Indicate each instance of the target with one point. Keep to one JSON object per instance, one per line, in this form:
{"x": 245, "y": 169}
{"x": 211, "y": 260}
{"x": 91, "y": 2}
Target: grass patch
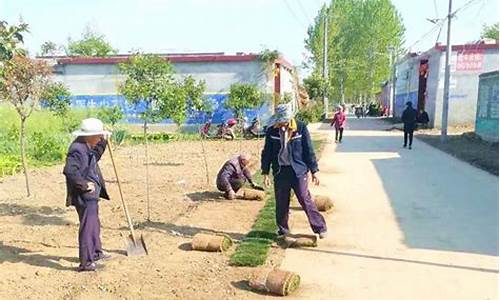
{"x": 254, "y": 248}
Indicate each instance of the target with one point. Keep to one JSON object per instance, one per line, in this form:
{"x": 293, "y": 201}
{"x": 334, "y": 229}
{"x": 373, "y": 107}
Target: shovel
{"x": 135, "y": 247}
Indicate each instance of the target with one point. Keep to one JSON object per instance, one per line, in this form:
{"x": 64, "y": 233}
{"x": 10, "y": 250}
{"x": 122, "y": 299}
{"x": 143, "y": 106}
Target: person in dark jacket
{"x": 85, "y": 185}
{"x": 423, "y": 118}
{"x": 233, "y": 175}
{"x": 409, "y": 118}
{"x": 288, "y": 150}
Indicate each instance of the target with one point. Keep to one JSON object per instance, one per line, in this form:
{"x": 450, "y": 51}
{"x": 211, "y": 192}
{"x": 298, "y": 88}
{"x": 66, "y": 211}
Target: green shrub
{"x": 311, "y": 113}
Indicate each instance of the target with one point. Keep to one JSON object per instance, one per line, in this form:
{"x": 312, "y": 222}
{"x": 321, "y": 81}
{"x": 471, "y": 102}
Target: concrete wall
{"x": 463, "y": 85}
{"x": 406, "y": 85}
{"x": 95, "y": 85}
{"x": 487, "y": 107}
{"x": 463, "y": 89}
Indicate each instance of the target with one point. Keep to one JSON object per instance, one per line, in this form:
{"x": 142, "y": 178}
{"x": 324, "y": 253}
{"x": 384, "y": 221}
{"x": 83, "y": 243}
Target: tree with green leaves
{"x": 49, "y": 48}
{"x": 57, "y": 99}
{"x": 360, "y": 34}
{"x": 490, "y": 32}
{"x": 90, "y": 44}
{"x": 25, "y": 82}
{"x": 11, "y": 40}
{"x": 243, "y": 96}
{"x": 150, "y": 82}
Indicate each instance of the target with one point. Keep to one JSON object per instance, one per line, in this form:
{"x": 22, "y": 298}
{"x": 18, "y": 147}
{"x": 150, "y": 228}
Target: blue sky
{"x": 220, "y": 25}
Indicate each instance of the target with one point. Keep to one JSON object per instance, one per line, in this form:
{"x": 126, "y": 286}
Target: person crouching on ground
{"x": 233, "y": 175}
{"x": 85, "y": 185}
{"x": 289, "y": 151}
{"x": 339, "y": 120}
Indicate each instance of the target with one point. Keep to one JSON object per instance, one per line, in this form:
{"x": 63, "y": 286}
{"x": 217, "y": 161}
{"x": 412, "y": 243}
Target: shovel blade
{"x": 137, "y": 247}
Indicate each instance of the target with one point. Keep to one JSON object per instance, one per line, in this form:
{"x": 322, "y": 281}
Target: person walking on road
{"x": 409, "y": 118}
{"x": 289, "y": 151}
{"x": 85, "y": 185}
{"x": 338, "y": 121}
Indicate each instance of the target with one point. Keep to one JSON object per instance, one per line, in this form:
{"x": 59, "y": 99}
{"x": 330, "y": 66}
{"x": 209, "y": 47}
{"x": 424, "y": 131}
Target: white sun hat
{"x": 91, "y": 126}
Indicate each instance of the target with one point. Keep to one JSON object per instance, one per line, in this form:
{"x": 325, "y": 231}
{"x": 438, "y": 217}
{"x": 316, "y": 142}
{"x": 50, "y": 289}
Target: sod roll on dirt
{"x": 251, "y": 194}
{"x": 301, "y": 241}
{"x": 211, "y": 242}
{"x": 275, "y": 281}
{"x": 323, "y": 203}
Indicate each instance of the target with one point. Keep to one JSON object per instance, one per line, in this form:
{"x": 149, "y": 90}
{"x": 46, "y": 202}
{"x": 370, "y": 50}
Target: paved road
{"x": 408, "y": 224}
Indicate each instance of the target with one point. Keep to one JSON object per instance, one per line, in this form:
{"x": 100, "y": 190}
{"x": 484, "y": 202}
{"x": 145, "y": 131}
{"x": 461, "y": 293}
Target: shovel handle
{"x": 125, "y": 208}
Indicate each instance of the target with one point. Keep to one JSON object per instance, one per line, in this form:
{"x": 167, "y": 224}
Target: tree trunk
{"x": 205, "y": 159}
{"x": 147, "y": 170}
{"x": 23, "y": 154}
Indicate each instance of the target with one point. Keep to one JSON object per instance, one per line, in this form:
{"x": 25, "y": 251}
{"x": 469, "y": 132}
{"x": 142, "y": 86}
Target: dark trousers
{"x": 236, "y": 184}
{"x": 338, "y": 134}
{"x": 89, "y": 240}
{"x": 284, "y": 182}
{"x": 408, "y": 134}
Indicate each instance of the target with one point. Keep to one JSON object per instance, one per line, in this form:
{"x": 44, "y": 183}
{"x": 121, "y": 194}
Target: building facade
{"x": 420, "y": 79}
{"x": 487, "y": 107}
{"x": 93, "y": 81}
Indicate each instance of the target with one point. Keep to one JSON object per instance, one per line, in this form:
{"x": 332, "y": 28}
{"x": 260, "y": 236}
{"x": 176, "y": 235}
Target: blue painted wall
{"x": 400, "y": 102}
{"x": 132, "y": 112}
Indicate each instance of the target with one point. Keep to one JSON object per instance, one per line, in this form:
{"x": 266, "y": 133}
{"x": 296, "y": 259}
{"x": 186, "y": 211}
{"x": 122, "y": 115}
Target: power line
{"x": 293, "y": 14}
{"x": 436, "y": 9}
{"x": 304, "y": 12}
{"x": 440, "y": 23}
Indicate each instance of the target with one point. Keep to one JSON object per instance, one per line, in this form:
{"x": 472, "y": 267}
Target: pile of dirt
{"x": 38, "y": 235}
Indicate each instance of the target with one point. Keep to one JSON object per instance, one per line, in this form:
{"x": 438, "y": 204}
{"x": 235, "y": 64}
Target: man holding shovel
{"x": 288, "y": 149}
{"x": 85, "y": 186}
{"x": 233, "y": 175}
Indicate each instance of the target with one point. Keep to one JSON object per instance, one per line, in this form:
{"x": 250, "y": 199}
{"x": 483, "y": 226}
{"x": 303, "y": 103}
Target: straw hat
{"x": 90, "y": 127}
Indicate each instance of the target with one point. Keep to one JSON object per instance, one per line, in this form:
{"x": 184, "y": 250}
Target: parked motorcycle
{"x": 254, "y": 130}
{"x": 223, "y": 131}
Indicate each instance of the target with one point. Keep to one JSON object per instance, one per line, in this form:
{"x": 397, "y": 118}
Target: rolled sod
{"x": 302, "y": 240}
{"x": 251, "y": 194}
{"x": 323, "y": 203}
{"x": 211, "y": 242}
{"x": 276, "y": 281}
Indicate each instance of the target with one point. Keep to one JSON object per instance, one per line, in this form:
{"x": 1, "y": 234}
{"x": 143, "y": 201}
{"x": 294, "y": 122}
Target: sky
{"x": 222, "y": 25}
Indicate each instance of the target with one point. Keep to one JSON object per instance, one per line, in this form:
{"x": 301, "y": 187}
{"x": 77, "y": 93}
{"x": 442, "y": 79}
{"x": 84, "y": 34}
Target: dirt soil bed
{"x": 465, "y": 146}
{"x": 38, "y": 235}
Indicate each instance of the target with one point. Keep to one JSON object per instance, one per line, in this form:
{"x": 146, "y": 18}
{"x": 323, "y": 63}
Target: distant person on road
{"x": 409, "y": 118}
{"x": 423, "y": 118}
{"x": 85, "y": 185}
{"x": 339, "y": 120}
{"x": 233, "y": 175}
{"x": 289, "y": 151}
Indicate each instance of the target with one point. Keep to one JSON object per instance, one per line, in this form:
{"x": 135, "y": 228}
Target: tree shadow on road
{"x": 440, "y": 203}
{"x": 400, "y": 260}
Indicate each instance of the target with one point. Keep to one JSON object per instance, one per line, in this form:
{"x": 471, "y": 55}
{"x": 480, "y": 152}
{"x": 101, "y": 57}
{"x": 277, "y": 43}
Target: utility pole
{"x": 446, "y": 92}
{"x": 325, "y": 65}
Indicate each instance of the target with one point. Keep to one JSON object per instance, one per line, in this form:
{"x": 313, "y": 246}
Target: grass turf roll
{"x": 323, "y": 203}
{"x": 211, "y": 242}
{"x": 251, "y": 194}
{"x": 276, "y": 281}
